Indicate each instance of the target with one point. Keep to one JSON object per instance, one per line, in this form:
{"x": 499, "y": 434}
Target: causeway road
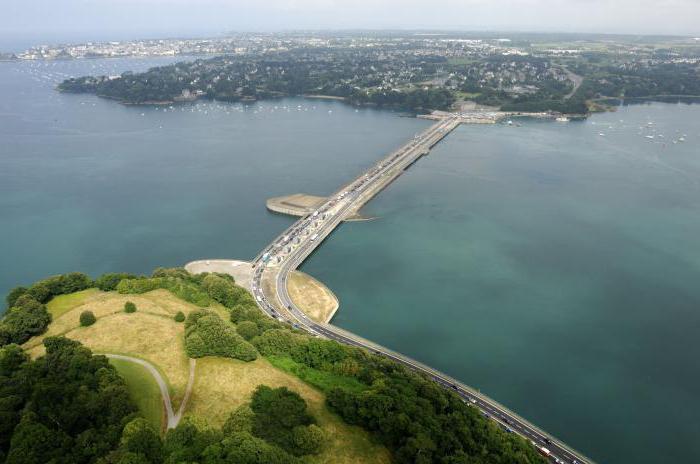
{"x": 271, "y": 269}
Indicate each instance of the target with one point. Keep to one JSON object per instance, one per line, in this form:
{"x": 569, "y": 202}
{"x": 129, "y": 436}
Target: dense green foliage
{"x": 67, "y": 407}
{"x": 87, "y": 318}
{"x": 280, "y": 417}
{"x": 25, "y": 319}
{"x": 108, "y": 282}
{"x": 129, "y": 307}
{"x": 324, "y": 380}
{"x": 417, "y": 419}
{"x": 206, "y": 334}
{"x": 277, "y": 74}
{"x": 247, "y": 329}
{"x": 182, "y": 288}
{"x": 43, "y": 290}
{"x": 26, "y": 315}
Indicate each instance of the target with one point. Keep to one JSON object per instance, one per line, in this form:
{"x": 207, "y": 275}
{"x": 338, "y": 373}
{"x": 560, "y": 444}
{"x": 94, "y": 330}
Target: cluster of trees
{"x": 193, "y": 442}
{"x": 25, "y": 318}
{"x": 223, "y": 289}
{"x": 280, "y": 416}
{"x": 414, "y": 417}
{"x": 27, "y": 315}
{"x": 43, "y": 290}
{"x": 67, "y": 407}
{"x": 184, "y": 288}
{"x": 75, "y": 405}
{"x": 418, "y": 99}
{"x": 635, "y": 81}
{"x": 274, "y": 428}
{"x": 574, "y": 105}
{"x": 70, "y": 407}
{"x": 350, "y": 73}
{"x": 206, "y": 334}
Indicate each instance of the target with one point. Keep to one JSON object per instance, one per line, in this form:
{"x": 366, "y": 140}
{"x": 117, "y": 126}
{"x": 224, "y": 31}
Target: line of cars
{"x": 294, "y": 238}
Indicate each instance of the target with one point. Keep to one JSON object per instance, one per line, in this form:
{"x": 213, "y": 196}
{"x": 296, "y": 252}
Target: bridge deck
{"x": 274, "y": 264}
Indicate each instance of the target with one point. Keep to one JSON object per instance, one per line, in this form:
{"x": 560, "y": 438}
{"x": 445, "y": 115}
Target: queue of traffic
{"x": 290, "y": 249}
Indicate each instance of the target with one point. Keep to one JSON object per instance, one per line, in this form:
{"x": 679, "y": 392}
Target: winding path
{"x": 173, "y": 418}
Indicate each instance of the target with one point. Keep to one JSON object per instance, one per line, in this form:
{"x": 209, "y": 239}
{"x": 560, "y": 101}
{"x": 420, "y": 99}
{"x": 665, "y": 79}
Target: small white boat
{"x": 562, "y": 119}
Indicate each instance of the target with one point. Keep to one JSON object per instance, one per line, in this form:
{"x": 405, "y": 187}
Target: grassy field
{"x": 221, "y": 385}
{"x": 150, "y": 333}
{"x": 64, "y": 303}
{"x": 312, "y": 297}
{"x": 324, "y": 381}
{"x": 144, "y": 391}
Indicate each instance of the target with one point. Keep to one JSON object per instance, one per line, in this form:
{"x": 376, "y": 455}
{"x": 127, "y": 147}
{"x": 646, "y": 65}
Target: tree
{"x": 277, "y": 413}
{"x": 87, "y": 318}
{"x": 180, "y": 317}
{"x": 73, "y": 405}
{"x": 15, "y": 293}
{"x": 247, "y": 330}
{"x": 108, "y": 282}
{"x": 240, "y": 420}
{"x": 129, "y": 307}
{"x": 187, "y": 442}
{"x": 308, "y": 440}
{"x": 26, "y": 319}
{"x": 141, "y": 438}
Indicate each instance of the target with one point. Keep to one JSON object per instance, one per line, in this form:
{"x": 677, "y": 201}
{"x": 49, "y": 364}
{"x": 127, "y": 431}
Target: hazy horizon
{"x": 30, "y": 22}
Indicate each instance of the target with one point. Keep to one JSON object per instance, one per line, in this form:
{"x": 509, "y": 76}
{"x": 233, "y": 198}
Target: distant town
{"x": 417, "y": 71}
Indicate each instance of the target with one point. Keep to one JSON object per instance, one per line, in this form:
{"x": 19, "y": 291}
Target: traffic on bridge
{"x": 274, "y": 264}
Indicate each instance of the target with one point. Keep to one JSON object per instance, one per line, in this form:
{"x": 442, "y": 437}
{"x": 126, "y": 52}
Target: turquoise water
{"x": 553, "y": 268}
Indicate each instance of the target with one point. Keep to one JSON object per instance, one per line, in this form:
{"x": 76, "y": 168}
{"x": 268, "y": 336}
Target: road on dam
{"x": 273, "y": 265}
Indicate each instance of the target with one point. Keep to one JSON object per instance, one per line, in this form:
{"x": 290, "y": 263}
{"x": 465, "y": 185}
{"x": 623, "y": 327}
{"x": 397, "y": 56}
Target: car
{"x": 547, "y": 440}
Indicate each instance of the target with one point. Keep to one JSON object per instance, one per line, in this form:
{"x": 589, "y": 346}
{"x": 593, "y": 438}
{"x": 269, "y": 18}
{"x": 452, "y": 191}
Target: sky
{"x": 30, "y": 21}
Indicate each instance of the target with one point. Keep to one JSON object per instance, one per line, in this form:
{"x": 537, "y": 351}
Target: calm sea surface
{"x": 554, "y": 266}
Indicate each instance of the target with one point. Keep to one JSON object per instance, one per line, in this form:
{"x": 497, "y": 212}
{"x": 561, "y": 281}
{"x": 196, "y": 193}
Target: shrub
{"x": 46, "y": 289}
{"x": 245, "y": 312}
{"x": 207, "y": 335}
{"x": 279, "y": 415}
{"x": 14, "y": 294}
{"x": 276, "y": 341}
{"x": 24, "y": 320}
{"x": 240, "y": 420}
{"x": 248, "y": 330}
{"x": 308, "y": 440}
{"x": 108, "y": 282}
{"x": 180, "y": 317}
{"x": 184, "y": 289}
{"x": 140, "y": 437}
{"x": 129, "y": 307}
{"x": 87, "y": 318}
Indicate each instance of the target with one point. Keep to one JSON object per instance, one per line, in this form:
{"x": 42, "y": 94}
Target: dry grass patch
{"x": 64, "y": 303}
{"x": 221, "y": 385}
{"x": 312, "y": 297}
{"x": 150, "y": 333}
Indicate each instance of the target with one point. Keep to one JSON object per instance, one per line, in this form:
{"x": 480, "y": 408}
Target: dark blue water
{"x": 550, "y": 266}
